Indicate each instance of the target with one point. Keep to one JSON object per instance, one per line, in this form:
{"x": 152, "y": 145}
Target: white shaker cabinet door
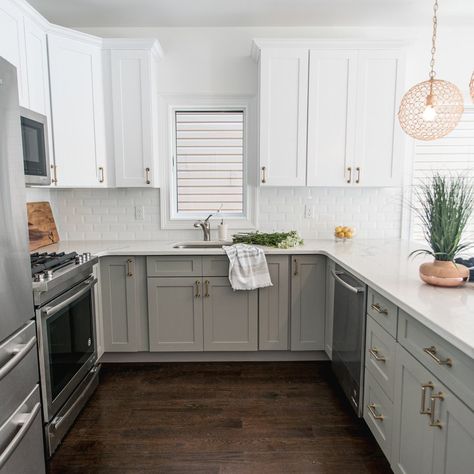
{"x": 331, "y": 117}
{"x": 12, "y": 44}
{"x": 131, "y": 76}
{"x": 283, "y": 116}
{"x": 77, "y": 111}
{"x": 379, "y": 141}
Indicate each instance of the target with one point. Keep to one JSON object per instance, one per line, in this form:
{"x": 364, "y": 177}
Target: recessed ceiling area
{"x": 216, "y": 13}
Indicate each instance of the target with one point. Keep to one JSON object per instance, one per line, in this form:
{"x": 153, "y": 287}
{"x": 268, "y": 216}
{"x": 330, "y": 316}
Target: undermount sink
{"x": 201, "y": 245}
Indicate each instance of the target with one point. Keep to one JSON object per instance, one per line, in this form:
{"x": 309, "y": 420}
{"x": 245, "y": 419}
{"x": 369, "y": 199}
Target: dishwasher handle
{"x": 354, "y": 289}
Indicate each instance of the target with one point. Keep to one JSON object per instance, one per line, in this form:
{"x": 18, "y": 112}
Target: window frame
{"x": 169, "y": 105}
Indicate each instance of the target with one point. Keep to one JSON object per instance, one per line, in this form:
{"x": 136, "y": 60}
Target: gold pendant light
{"x": 471, "y": 87}
{"x": 433, "y": 108}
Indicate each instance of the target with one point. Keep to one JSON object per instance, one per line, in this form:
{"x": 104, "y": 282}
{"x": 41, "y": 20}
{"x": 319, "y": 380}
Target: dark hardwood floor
{"x": 218, "y": 418}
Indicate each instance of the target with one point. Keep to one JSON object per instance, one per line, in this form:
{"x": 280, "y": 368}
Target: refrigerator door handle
{"x": 24, "y": 421}
{"x": 20, "y": 351}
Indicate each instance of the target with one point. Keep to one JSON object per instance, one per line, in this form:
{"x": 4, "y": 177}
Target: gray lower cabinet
{"x": 175, "y": 314}
{"x": 230, "y": 317}
{"x": 124, "y": 310}
{"x": 308, "y": 295}
{"x": 433, "y": 430}
{"x": 330, "y": 267}
{"x": 274, "y": 306}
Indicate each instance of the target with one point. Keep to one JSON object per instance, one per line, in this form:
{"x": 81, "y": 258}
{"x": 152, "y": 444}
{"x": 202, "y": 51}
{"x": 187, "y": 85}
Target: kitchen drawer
{"x": 453, "y": 368}
{"x": 380, "y": 356}
{"x": 378, "y": 414}
{"x": 21, "y": 437}
{"x": 215, "y": 265}
{"x": 174, "y": 266}
{"x": 383, "y": 311}
{"x": 18, "y": 369}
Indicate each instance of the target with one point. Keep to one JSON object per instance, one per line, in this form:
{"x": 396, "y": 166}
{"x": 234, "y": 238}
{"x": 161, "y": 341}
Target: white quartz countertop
{"x": 382, "y": 264}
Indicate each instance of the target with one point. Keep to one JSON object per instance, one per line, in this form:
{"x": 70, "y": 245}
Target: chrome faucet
{"x": 205, "y": 225}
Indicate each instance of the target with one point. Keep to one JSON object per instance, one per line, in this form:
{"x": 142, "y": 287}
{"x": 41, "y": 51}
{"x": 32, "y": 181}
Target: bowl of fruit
{"x": 343, "y": 233}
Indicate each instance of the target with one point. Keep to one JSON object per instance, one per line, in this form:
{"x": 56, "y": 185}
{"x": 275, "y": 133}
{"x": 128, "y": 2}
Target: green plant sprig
{"x": 446, "y": 204}
{"x": 283, "y": 240}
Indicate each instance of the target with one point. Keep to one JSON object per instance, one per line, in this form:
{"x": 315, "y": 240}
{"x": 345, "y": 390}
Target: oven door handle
{"x": 85, "y": 287}
{"x": 336, "y": 276}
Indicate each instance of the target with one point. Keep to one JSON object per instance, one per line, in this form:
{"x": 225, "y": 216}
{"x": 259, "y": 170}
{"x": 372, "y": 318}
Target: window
{"x": 451, "y": 155}
{"x": 208, "y": 166}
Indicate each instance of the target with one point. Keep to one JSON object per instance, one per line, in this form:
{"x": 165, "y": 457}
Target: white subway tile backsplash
{"x": 96, "y": 214}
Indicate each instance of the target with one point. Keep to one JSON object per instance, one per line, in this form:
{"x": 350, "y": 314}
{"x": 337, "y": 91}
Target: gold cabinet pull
{"x": 54, "y": 179}
{"x": 206, "y": 289}
{"x": 101, "y": 174}
{"x": 358, "y": 175}
{"x": 376, "y": 355}
{"x": 147, "y": 176}
{"x": 295, "y": 264}
{"x": 432, "y": 352}
{"x": 373, "y": 412}
{"x": 424, "y": 388}
{"x": 264, "y": 174}
{"x": 349, "y": 179}
{"x": 129, "y": 267}
{"x": 198, "y": 293}
{"x": 379, "y": 309}
{"x": 438, "y": 396}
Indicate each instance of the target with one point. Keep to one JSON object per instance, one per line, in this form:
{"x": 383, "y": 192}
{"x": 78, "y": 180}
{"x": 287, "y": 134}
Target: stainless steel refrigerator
{"x": 21, "y": 438}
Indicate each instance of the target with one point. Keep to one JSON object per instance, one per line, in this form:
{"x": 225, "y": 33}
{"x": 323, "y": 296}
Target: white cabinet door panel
{"x": 131, "y": 101}
{"x": 77, "y": 112}
{"x": 283, "y": 116}
{"x": 12, "y": 44}
{"x": 379, "y": 154}
{"x": 331, "y": 116}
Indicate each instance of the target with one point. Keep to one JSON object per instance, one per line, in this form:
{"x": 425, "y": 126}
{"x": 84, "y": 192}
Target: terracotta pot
{"x": 441, "y": 273}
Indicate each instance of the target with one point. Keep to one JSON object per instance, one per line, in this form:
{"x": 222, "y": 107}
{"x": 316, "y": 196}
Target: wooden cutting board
{"x": 41, "y": 226}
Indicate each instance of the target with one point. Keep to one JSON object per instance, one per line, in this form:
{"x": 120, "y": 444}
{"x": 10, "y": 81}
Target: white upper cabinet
{"x": 77, "y": 110}
{"x": 283, "y": 116}
{"x": 379, "y": 142}
{"x": 331, "y": 116}
{"x": 349, "y": 102}
{"x": 132, "y": 88}
{"x": 37, "y": 67}
{"x": 12, "y": 44}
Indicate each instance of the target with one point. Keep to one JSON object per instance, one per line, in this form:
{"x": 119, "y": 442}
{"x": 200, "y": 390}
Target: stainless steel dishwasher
{"x": 348, "y": 349}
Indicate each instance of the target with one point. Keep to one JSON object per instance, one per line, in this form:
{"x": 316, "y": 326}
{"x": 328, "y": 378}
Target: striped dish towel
{"x": 248, "y": 268}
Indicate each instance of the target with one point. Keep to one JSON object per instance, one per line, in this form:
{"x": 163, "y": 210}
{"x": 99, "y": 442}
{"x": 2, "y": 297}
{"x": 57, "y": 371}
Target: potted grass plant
{"x": 444, "y": 207}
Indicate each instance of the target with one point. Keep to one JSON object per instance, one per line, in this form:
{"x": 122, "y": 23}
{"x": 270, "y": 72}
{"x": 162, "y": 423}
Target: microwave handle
{"x": 85, "y": 287}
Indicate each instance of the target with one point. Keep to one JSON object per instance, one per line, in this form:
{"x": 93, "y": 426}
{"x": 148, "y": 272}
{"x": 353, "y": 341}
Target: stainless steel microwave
{"x": 34, "y": 135}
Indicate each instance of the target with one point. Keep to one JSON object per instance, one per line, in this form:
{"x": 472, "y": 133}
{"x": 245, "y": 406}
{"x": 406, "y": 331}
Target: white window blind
{"x": 452, "y": 155}
{"x": 209, "y": 162}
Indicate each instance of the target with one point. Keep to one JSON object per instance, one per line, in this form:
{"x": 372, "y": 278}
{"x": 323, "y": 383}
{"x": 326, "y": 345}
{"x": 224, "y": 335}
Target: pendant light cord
{"x": 433, "y": 40}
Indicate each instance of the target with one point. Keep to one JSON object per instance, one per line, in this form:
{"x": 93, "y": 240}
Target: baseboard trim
{"x": 266, "y": 356}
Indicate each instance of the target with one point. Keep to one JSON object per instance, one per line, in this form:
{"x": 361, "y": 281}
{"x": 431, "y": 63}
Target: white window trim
{"x": 169, "y": 104}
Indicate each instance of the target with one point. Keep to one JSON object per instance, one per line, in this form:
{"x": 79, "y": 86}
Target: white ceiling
{"x": 175, "y": 13}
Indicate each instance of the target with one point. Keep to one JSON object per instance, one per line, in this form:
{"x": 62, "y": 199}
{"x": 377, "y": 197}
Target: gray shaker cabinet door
{"x": 308, "y": 296}
{"x": 175, "y": 314}
{"x": 454, "y": 442}
{"x": 123, "y": 292}
{"x": 413, "y": 438}
{"x": 230, "y": 317}
{"x": 273, "y": 306}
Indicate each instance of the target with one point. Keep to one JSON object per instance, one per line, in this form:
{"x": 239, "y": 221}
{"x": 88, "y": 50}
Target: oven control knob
{"x": 89, "y": 342}
{"x": 86, "y": 256}
{"x": 49, "y": 274}
{"x": 39, "y": 277}
{"x": 79, "y": 259}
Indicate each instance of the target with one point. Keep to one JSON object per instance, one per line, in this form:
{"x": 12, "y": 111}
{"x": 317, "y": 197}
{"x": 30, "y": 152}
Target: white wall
{"x": 206, "y": 61}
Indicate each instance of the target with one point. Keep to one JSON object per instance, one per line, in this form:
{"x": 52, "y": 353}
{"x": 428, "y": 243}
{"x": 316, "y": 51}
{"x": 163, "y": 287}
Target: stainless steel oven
{"x": 34, "y": 135}
{"x": 68, "y": 356}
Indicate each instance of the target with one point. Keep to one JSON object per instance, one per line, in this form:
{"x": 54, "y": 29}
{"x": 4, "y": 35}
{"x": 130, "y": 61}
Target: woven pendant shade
{"x": 471, "y": 87}
{"x": 447, "y": 102}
